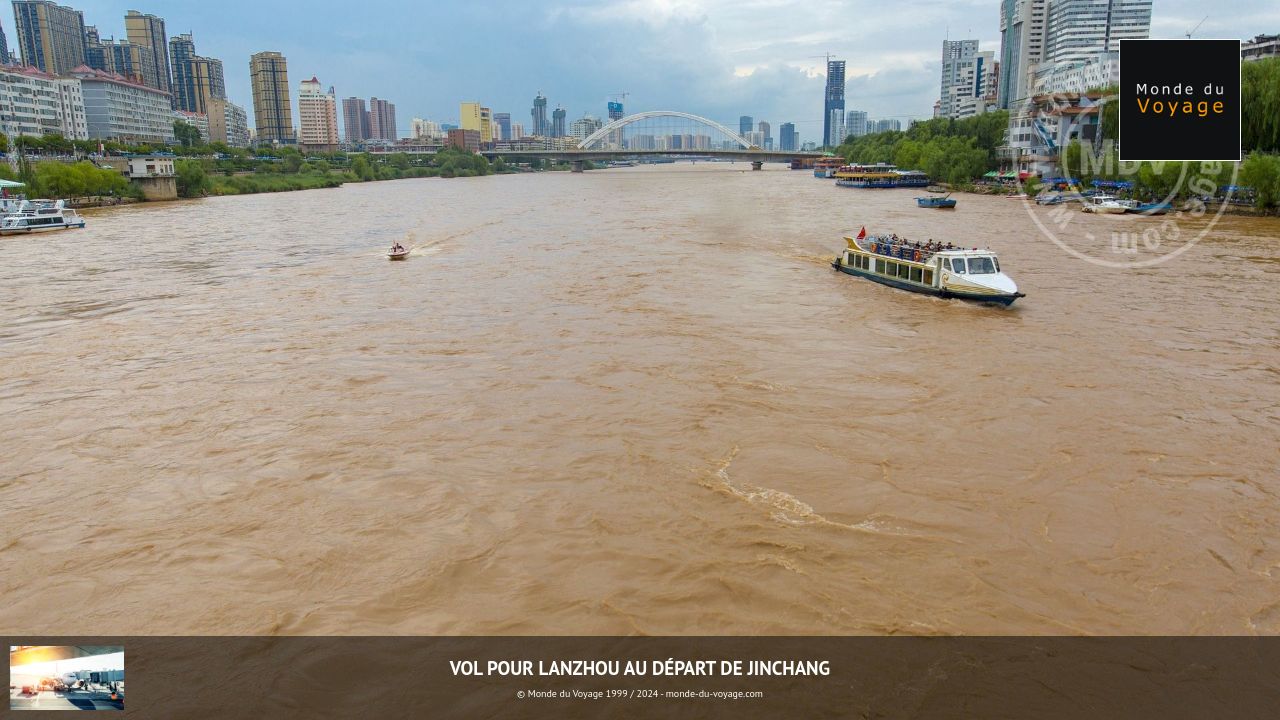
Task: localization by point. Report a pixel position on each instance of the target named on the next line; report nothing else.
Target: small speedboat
(944, 203)
(1050, 200)
(398, 252)
(40, 216)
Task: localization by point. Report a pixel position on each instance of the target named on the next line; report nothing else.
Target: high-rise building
(355, 120)
(582, 128)
(382, 120)
(228, 123)
(517, 131)
(136, 62)
(148, 31)
(745, 125)
(788, 140)
(425, 130)
(541, 128)
(766, 131)
(317, 117)
(855, 123)
(272, 110)
(4, 47)
(967, 74)
(557, 122)
(886, 125)
(502, 125)
(181, 49)
(1022, 35)
(1079, 30)
(469, 116)
(833, 103)
(486, 125)
(50, 36)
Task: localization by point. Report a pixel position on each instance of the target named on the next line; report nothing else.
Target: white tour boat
(1108, 205)
(949, 273)
(40, 216)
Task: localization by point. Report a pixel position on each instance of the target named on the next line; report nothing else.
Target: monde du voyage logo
(1180, 100)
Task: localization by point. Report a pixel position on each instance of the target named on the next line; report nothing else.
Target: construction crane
(1197, 27)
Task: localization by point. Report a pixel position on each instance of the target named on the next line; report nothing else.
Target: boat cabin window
(903, 270)
(915, 274)
(981, 266)
(957, 265)
(880, 266)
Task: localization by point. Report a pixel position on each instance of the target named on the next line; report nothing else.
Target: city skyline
(728, 59)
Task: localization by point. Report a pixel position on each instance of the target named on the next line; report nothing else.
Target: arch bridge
(608, 143)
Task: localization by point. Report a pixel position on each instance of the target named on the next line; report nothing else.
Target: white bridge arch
(617, 125)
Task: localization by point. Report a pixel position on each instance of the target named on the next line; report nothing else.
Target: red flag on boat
(863, 232)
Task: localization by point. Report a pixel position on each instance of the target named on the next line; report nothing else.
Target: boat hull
(397, 256)
(936, 203)
(41, 228)
(1000, 299)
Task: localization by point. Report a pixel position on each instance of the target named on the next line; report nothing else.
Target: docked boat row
(28, 216)
(878, 176)
(942, 271)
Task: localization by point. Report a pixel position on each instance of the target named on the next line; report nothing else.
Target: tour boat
(1151, 208)
(944, 203)
(879, 175)
(826, 167)
(1108, 205)
(398, 253)
(40, 216)
(952, 273)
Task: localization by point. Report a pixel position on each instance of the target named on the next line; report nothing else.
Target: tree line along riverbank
(959, 152)
(52, 166)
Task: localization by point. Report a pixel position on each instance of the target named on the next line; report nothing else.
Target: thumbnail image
(66, 677)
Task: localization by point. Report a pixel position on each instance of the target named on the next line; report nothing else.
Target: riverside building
(272, 112)
(36, 103)
(317, 118)
(119, 109)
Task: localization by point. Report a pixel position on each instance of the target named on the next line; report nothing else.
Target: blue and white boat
(1151, 208)
(948, 273)
(40, 216)
(944, 203)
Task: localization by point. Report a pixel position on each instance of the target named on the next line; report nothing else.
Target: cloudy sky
(717, 58)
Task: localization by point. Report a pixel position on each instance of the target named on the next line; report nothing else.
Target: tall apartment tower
(1080, 30)
(558, 122)
(181, 50)
(502, 126)
(833, 104)
(272, 114)
(50, 36)
(148, 31)
(539, 113)
(317, 117)
(355, 120)
(382, 120)
(967, 75)
(1022, 35)
(765, 132)
(787, 137)
(746, 124)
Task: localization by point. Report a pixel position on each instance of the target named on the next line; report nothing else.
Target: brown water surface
(630, 401)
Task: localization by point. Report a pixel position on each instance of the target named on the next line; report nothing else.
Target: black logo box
(1188, 64)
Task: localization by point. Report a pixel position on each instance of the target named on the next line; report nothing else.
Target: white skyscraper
(1080, 30)
(967, 74)
(1022, 28)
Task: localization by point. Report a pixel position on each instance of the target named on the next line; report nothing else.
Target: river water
(627, 401)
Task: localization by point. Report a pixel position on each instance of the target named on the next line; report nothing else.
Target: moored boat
(40, 216)
(943, 203)
(826, 167)
(1107, 205)
(1159, 208)
(944, 272)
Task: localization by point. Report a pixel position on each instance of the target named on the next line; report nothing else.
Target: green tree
(1260, 98)
(362, 169)
(187, 135)
(1262, 173)
(192, 179)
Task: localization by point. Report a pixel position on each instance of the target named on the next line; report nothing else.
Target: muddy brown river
(633, 401)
